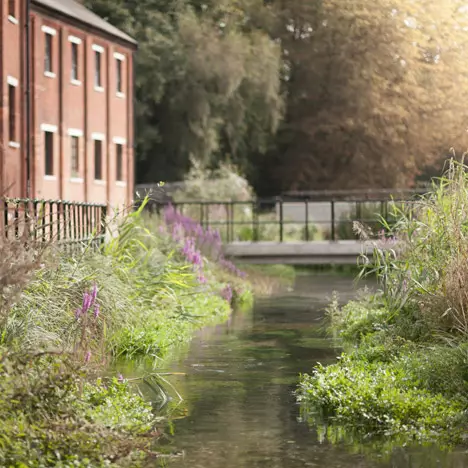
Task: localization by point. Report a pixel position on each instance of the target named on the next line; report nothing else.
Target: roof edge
(129, 41)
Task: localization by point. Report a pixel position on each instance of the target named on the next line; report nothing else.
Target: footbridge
(299, 253)
(308, 228)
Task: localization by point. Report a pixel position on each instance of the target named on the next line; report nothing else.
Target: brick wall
(73, 110)
(12, 55)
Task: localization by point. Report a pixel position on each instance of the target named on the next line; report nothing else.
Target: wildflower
(97, 310)
(120, 378)
(88, 356)
(202, 278)
(86, 302)
(94, 294)
(226, 293)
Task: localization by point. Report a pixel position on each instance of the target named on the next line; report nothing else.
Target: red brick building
(67, 104)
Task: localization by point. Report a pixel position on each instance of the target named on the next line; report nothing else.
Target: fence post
(228, 218)
(17, 202)
(254, 221)
(5, 217)
(202, 214)
(281, 221)
(51, 220)
(333, 232)
(103, 224)
(232, 208)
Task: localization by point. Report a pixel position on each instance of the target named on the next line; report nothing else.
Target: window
(48, 53)
(119, 161)
(12, 8)
(75, 156)
(119, 76)
(98, 71)
(49, 153)
(12, 111)
(74, 56)
(97, 159)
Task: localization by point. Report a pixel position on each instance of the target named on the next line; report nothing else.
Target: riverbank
(402, 378)
(64, 318)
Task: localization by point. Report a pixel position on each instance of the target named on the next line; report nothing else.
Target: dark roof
(78, 12)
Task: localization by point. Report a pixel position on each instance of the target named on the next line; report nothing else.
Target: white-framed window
(75, 43)
(98, 81)
(49, 34)
(98, 139)
(12, 111)
(119, 158)
(12, 12)
(49, 153)
(119, 67)
(75, 136)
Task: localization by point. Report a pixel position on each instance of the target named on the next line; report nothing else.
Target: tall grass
(63, 317)
(426, 265)
(405, 366)
(148, 298)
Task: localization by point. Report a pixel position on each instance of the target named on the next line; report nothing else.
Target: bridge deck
(296, 253)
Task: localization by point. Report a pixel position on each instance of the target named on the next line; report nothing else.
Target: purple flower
(120, 378)
(226, 293)
(86, 302)
(78, 313)
(202, 278)
(97, 310)
(94, 294)
(88, 356)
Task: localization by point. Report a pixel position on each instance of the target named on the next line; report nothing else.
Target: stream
(239, 409)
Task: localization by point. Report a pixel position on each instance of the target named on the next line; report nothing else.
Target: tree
(207, 87)
(376, 91)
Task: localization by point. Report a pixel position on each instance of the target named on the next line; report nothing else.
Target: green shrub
(49, 418)
(378, 398)
(406, 370)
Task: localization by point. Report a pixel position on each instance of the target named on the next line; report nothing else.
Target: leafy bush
(47, 420)
(378, 398)
(406, 369)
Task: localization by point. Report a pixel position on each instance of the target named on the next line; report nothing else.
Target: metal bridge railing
(283, 219)
(60, 222)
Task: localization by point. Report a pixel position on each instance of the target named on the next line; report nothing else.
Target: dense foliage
(404, 372)
(363, 94)
(64, 317)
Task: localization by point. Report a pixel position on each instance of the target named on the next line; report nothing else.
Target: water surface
(239, 409)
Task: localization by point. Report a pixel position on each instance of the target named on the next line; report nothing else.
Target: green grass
(404, 375)
(55, 410)
(51, 418)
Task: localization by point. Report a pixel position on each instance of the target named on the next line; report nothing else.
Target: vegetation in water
(64, 317)
(404, 373)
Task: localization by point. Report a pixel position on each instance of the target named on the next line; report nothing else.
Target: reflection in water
(239, 409)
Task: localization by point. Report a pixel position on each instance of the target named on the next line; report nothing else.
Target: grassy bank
(404, 374)
(64, 318)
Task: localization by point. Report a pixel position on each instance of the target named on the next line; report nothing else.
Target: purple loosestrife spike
(120, 378)
(97, 310)
(88, 356)
(86, 302)
(226, 293)
(94, 294)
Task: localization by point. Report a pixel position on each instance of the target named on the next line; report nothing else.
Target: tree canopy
(300, 94)
(207, 82)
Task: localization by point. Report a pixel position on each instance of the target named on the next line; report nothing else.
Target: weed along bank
(65, 318)
(402, 377)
